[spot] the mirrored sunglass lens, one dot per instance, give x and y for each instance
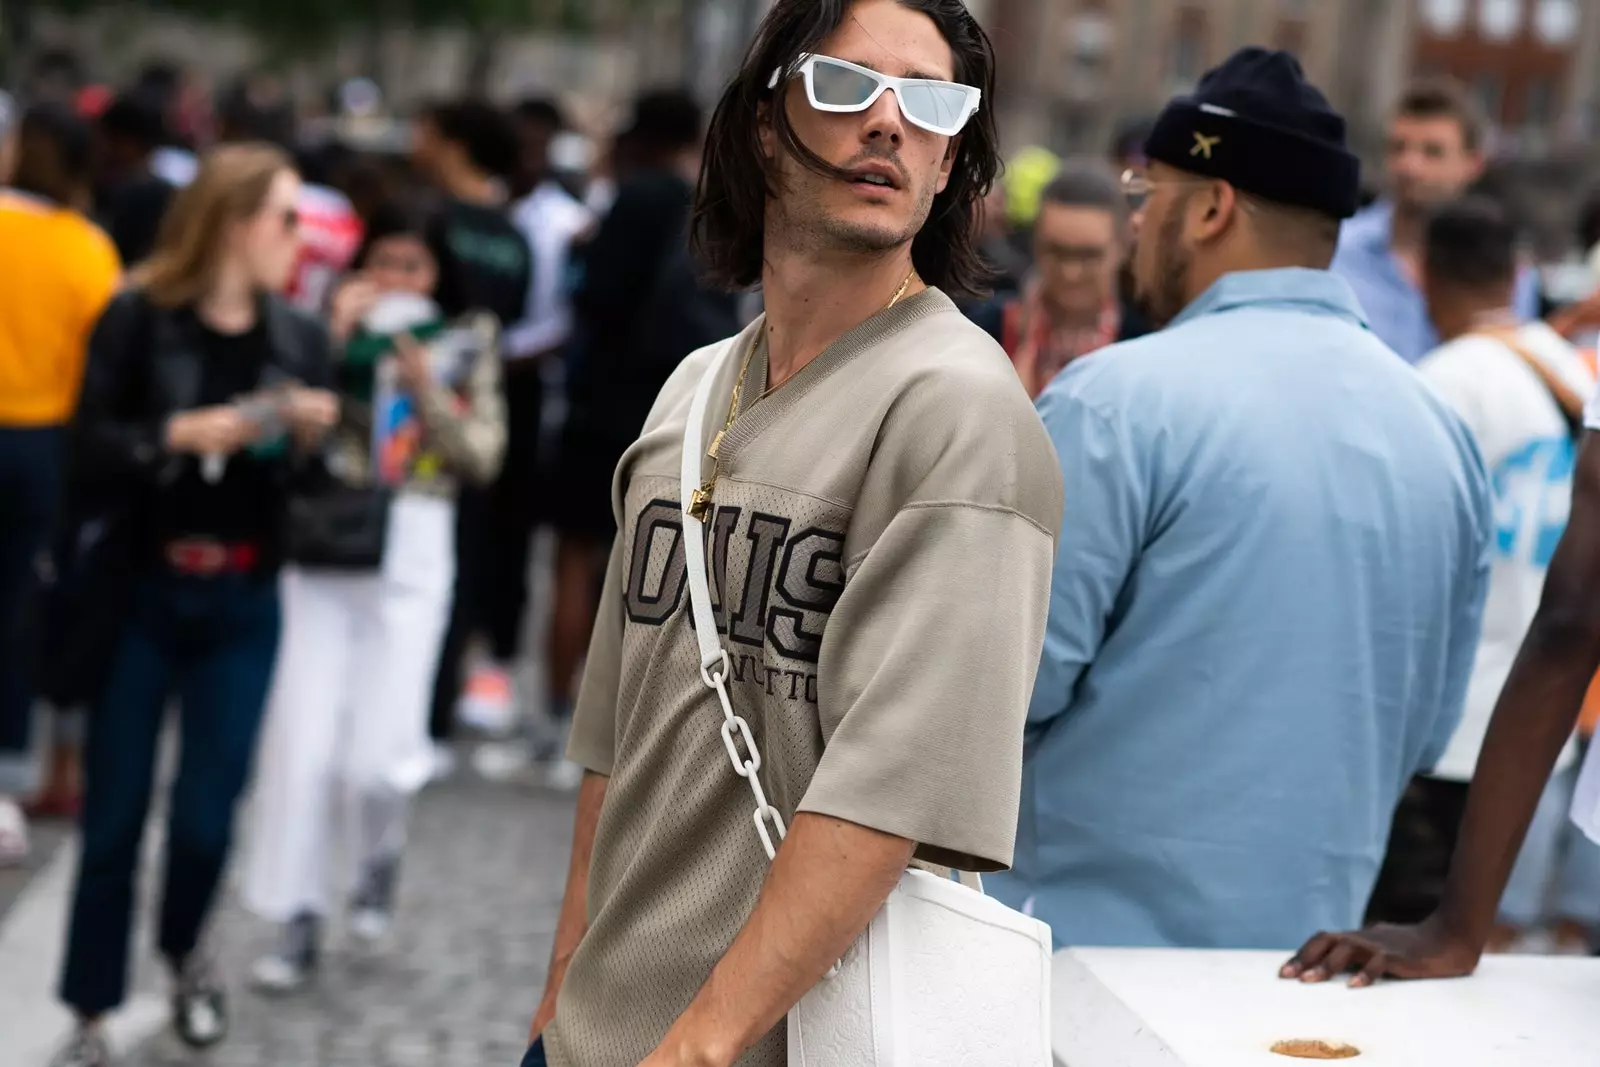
(938, 105)
(839, 86)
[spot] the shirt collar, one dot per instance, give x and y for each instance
(1370, 229)
(1318, 291)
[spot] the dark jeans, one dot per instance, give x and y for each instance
(211, 642)
(30, 471)
(535, 1056)
(1427, 822)
(494, 543)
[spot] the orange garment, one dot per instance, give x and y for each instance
(1590, 719)
(58, 272)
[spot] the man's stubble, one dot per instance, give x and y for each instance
(805, 224)
(1165, 299)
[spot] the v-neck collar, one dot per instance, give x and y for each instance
(758, 410)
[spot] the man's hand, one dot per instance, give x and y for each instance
(831, 876)
(1427, 950)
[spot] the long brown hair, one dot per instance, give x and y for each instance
(232, 184)
(730, 205)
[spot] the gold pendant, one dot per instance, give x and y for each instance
(700, 502)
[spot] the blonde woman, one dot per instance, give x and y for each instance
(202, 388)
(363, 624)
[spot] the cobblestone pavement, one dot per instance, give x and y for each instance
(458, 982)
(47, 836)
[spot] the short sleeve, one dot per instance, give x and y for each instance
(1591, 411)
(594, 720)
(926, 666)
(1102, 534)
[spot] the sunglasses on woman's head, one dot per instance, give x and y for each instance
(842, 87)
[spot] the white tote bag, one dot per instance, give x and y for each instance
(943, 976)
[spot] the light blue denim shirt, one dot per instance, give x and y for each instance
(1266, 601)
(1394, 307)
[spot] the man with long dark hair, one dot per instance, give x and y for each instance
(883, 505)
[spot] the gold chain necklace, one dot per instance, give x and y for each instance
(700, 501)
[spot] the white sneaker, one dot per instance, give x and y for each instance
(502, 761)
(87, 1048)
(488, 701)
(289, 967)
(370, 926)
(563, 776)
(372, 908)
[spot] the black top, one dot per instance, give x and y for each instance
(243, 507)
(147, 363)
(626, 353)
(484, 262)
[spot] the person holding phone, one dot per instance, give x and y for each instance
(200, 327)
(364, 623)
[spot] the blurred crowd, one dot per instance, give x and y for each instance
(374, 356)
(294, 472)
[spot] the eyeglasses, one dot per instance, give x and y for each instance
(841, 87)
(1137, 186)
(1084, 257)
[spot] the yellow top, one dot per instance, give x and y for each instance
(57, 273)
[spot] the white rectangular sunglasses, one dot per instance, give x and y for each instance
(839, 86)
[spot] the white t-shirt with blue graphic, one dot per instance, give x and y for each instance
(1529, 453)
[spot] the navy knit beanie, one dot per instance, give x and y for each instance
(1257, 124)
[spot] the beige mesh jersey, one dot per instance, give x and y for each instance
(881, 548)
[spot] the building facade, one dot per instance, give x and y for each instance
(1073, 71)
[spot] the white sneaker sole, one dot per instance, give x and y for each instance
(278, 977)
(370, 927)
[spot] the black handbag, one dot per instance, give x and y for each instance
(335, 526)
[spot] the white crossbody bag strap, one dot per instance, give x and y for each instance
(714, 662)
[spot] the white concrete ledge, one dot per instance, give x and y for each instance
(1165, 1008)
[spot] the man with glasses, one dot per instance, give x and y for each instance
(1070, 306)
(1267, 595)
(881, 506)
(1435, 153)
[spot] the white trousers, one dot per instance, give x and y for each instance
(346, 743)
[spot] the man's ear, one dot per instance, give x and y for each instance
(947, 164)
(764, 130)
(1213, 210)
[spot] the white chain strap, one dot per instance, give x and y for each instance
(749, 769)
(715, 665)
